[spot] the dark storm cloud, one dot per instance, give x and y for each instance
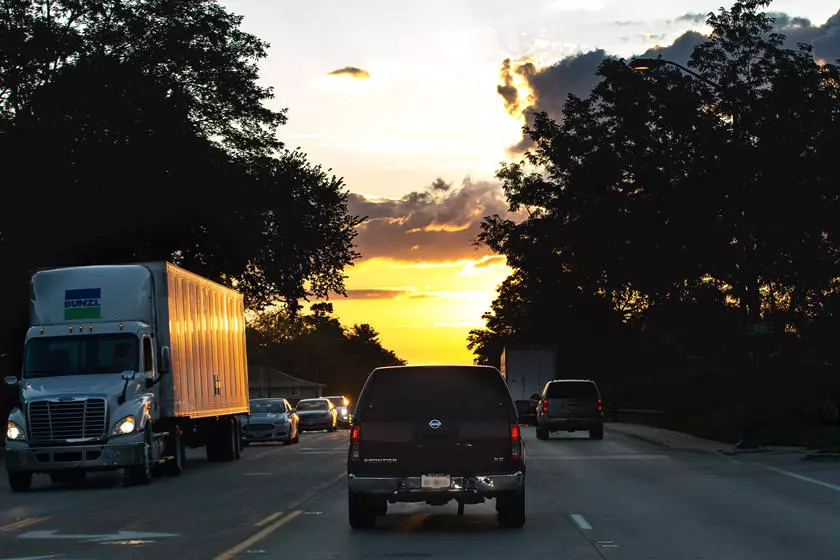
(550, 86)
(438, 224)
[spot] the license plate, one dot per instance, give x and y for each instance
(111, 455)
(435, 481)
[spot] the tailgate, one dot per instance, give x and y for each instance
(412, 448)
(572, 408)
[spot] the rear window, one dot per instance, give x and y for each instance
(415, 393)
(572, 390)
(313, 405)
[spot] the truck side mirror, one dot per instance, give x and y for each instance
(11, 380)
(165, 360)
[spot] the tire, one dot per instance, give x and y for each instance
(511, 508)
(141, 475)
(227, 439)
(333, 428)
(20, 481)
(175, 466)
(237, 430)
(597, 433)
(362, 512)
(542, 433)
(297, 435)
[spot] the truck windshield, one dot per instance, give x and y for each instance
(83, 354)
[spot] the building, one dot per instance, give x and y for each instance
(264, 381)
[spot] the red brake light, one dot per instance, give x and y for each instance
(356, 434)
(545, 407)
(515, 442)
(514, 432)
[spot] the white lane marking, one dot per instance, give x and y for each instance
(21, 524)
(834, 487)
(268, 519)
(119, 536)
(231, 553)
(625, 457)
(581, 522)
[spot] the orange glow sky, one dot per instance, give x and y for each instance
(422, 104)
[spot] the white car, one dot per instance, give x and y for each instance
(271, 420)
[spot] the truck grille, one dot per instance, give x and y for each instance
(54, 421)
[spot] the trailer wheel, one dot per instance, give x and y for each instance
(237, 430)
(227, 439)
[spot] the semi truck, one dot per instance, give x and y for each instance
(527, 370)
(124, 367)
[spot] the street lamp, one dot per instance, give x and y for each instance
(644, 64)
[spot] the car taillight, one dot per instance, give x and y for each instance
(515, 441)
(600, 406)
(355, 439)
(545, 405)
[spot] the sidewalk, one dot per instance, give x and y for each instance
(681, 441)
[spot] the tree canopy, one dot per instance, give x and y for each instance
(662, 194)
(135, 130)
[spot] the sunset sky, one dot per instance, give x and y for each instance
(395, 95)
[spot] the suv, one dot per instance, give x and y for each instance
(341, 406)
(435, 434)
(567, 405)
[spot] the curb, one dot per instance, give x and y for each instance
(822, 457)
(663, 444)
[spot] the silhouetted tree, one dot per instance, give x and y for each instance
(673, 199)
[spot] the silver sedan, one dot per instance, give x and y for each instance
(270, 420)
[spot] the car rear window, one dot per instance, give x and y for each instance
(572, 390)
(411, 393)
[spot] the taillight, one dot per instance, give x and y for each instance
(600, 406)
(545, 405)
(515, 442)
(355, 439)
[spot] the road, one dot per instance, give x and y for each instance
(620, 498)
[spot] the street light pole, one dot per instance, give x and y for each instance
(747, 433)
(643, 64)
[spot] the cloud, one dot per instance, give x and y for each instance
(693, 18)
(628, 23)
(374, 294)
(438, 224)
(351, 71)
(526, 89)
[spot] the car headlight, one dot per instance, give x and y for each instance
(124, 426)
(14, 432)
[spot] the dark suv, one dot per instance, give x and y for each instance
(435, 434)
(567, 405)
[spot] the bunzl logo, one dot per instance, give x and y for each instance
(82, 304)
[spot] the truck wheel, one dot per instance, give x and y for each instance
(237, 429)
(20, 481)
(226, 433)
(141, 475)
(175, 465)
(511, 508)
(361, 512)
(597, 433)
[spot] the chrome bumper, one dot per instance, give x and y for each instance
(395, 486)
(104, 456)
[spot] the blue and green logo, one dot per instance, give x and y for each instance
(82, 304)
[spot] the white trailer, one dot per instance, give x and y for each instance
(528, 369)
(124, 366)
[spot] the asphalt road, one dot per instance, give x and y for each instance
(620, 498)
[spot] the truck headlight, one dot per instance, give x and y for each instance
(124, 426)
(14, 432)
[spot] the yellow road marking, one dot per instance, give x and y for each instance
(254, 539)
(268, 519)
(21, 524)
